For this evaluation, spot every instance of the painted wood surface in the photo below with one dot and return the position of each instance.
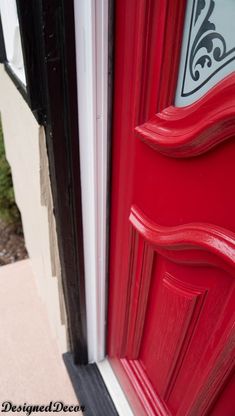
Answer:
(171, 315)
(185, 132)
(91, 24)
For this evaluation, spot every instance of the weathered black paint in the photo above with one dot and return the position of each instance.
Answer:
(31, 31)
(47, 31)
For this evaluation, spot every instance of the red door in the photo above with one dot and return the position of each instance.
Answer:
(172, 263)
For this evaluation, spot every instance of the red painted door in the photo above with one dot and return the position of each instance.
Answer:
(171, 312)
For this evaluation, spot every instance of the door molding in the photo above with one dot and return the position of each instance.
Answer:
(158, 72)
(47, 30)
(91, 28)
(184, 132)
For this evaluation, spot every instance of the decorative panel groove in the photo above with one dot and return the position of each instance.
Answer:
(133, 255)
(218, 371)
(195, 299)
(152, 403)
(140, 272)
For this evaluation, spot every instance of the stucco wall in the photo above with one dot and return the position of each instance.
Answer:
(26, 152)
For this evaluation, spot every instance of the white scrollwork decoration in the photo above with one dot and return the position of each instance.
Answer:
(207, 51)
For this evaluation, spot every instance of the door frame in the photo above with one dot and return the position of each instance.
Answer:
(52, 98)
(92, 43)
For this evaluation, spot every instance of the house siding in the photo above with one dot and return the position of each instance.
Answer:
(27, 155)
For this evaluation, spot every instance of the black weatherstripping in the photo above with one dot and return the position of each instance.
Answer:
(90, 388)
(47, 32)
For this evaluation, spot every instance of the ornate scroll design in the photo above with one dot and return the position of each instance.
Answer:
(206, 47)
(193, 130)
(196, 243)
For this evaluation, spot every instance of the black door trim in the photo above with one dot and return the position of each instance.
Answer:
(48, 43)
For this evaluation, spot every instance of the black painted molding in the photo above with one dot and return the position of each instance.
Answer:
(63, 151)
(90, 388)
(47, 32)
(30, 15)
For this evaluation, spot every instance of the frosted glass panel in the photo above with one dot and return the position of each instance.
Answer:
(208, 49)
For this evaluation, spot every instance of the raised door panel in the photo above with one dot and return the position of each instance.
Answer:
(172, 315)
(178, 339)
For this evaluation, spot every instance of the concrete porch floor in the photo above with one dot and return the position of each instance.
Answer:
(31, 367)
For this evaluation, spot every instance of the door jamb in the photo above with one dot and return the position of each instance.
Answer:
(91, 36)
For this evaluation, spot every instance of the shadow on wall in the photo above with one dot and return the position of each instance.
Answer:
(12, 245)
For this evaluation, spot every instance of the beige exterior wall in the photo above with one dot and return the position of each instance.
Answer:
(26, 152)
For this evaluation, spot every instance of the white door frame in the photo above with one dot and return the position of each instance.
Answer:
(91, 36)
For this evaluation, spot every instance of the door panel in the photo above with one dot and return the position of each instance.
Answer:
(172, 264)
